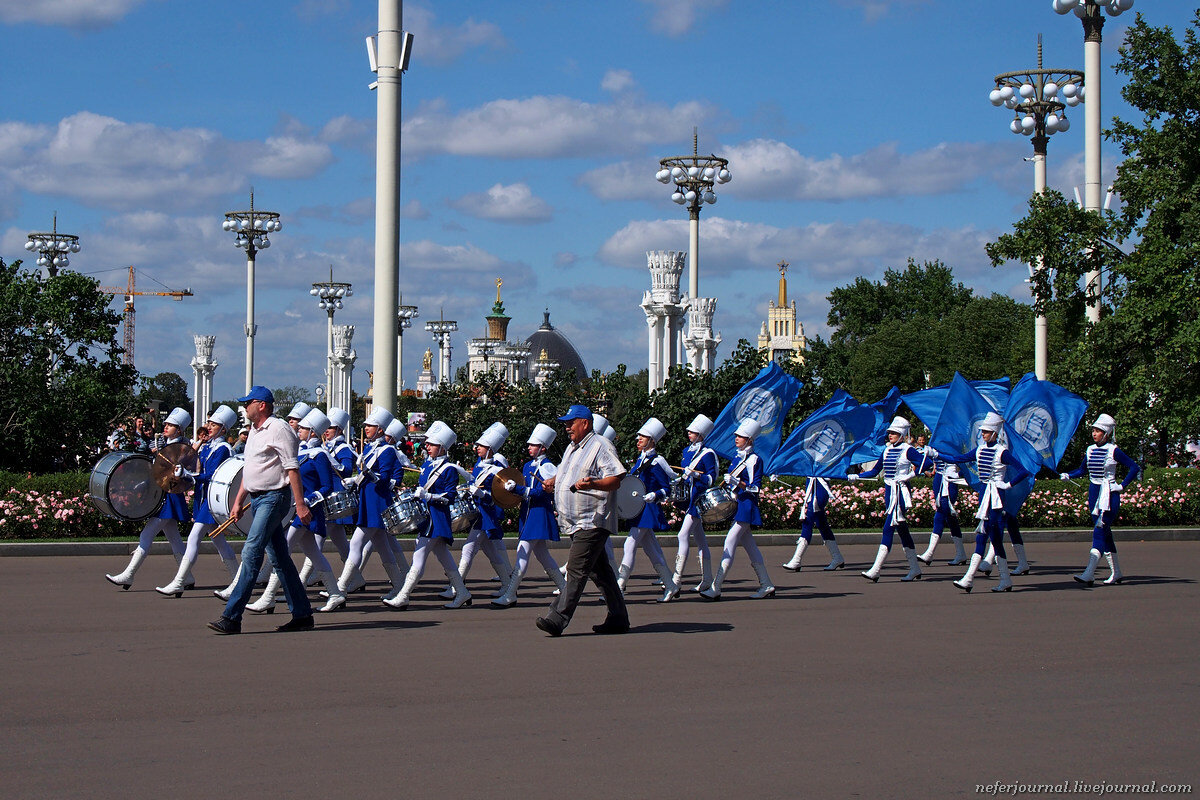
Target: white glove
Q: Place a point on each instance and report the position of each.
(730, 480)
(352, 482)
(1115, 487)
(930, 451)
(510, 485)
(420, 493)
(852, 477)
(1062, 476)
(473, 490)
(1003, 485)
(651, 497)
(179, 471)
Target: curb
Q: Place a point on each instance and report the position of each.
(26, 549)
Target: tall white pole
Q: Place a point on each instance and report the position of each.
(399, 358)
(387, 202)
(1092, 26)
(251, 328)
(694, 253)
(1040, 325)
(329, 364)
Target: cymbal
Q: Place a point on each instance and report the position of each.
(163, 468)
(501, 496)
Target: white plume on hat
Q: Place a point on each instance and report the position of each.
(701, 426)
(379, 417)
(224, 416)
(748, 428)
(316, 421)
(440, 433)
(178, 416)
(599, 424)
(396, 429)
(1105, 423)
(992, 422)
(543, 435)
(338, 417)
(899, 425)
(653, 429)
(299, 411)
(494, 437)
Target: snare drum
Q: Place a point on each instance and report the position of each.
(680, 493)
(463, 514)
(716, 506)
(223, 492)
(406, 515)
(631, 498)
(341, 504)
(122, 487)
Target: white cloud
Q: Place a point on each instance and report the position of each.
(874, 10)
(676, 18)
(617, 80)
(79, 14)
(513, 203)
(434, 44)
(119, 165)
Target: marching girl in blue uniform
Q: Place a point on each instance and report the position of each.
(379, 475)
(211, 455)
(744, 480)
(700, 467)
(899, 463)
(343, 458)
(174, 509)
(536, 522)
(437, 488)
(946, 481)
(657, 475)
(1104, 496)
(998, 470)
(319, 480)
(488, 532)
(816, 496)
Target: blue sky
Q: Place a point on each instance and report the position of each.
(859, 134)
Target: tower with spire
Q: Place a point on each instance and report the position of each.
(781, 336)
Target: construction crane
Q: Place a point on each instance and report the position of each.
(130, 293)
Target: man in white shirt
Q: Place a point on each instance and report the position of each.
(583, 488)
(271, 474)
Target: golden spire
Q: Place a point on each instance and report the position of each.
(783, 265)
(499, 283)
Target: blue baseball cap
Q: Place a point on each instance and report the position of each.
(576, 412)
(258, 393)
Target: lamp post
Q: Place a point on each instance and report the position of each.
(329, 296)
(1039, 99)
(54, 249)
(252, 228)
(693, 177)
(518, 354)
(441, 329)
(1088, 12)
(404, 317)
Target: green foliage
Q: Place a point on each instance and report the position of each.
(62, 385)
(167, 388)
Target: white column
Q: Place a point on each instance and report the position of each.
(694, 253)
(1091, 142)
(1040, 324)
(387, 202)
(652, 354)
(203, 366)
(251, 328)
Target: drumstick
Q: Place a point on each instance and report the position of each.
(221, 528)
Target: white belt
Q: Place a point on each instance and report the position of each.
(895, 508)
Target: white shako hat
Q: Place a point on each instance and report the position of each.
(748, 428)
(701, 425)
(992, 422)
(440, 433)
(396, 429)
(315, 421)
(599, 424)
(653, 429)
(224, 416)
(299, 411)
(338, 417)
(379, 417)
(543, 435)
(1105, 423)
(610, 433)
(899, 425)
(178, 416)
(494, 437)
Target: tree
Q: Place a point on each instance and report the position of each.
(167, 388)
(287, 396)
(62, 384)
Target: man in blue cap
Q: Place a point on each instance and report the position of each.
(271, 473)
(583, 488)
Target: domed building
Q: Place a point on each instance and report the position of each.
(534, 359)
(549, 345)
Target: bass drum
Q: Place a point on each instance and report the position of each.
(463, 514)
(631, 498)
(122, 486)
(223, 491)
(406, 515)
(717, 506)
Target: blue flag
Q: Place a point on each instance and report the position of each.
(766, 399)
(957, 428)
(926, 404)
(1045, 416)
(821, 446)
(885, 412)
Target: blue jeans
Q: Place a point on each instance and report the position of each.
(267, 533)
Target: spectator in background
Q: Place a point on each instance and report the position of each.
(239, 447)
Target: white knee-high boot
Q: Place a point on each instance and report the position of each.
(960, 552)
(622, 577)
(399, 599)
(231, 566)
(713, 592)
(706, 573)
(836, 561)
(670, 587)
(793, 564)
(968, 580)
(1088, 576)
(175, 587)
(873, 573)
(765, 587)
(396, 576)
(1115, 566)
(680, 565)
(462, 597)
(1022, 563)
(337, 599)
(985, 566)
(914, 566)
(266, 603)
(351, 579)
(926, 557)
(189, 582)
(125, 579)
(307, 576)
(1005, 584)
(508, 597)
(224, 594)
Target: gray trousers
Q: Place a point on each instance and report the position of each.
(587, 559)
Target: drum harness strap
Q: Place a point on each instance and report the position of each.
(809, 491)
(433, 478)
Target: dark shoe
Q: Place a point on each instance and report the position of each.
(297, 624)
(611, 627)
(226, 625)
(548, 626)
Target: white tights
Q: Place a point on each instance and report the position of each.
(691, 528)
(197, 534)
(441, 550)
(312, 549)
(648, 541)
(379, 539)
(168, 528)
(741, 534)
(478, 540)
(540, 549)
(336, 533)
